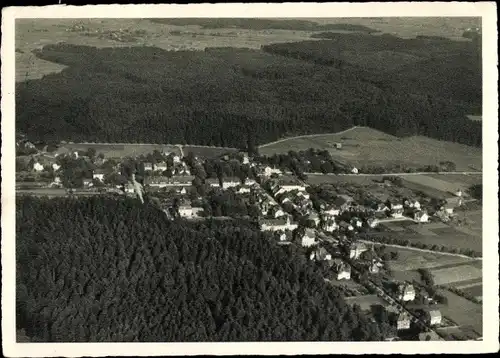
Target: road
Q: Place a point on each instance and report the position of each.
(308, 136)
(393, 174)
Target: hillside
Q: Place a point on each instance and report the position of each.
(225, 97)
(121, 272)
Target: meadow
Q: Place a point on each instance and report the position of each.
(118, 150)
(463, 311)
(410, 260)
(367, 146)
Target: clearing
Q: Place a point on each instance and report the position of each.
(456, 274)
(111, 150)
(366, 302)
(366, 146)
(206, 152)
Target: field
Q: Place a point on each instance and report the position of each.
(463, 311)
(455, 274)
(410, 260)
(206, 152)
(365, 302)
(118, 150)
(447, 184)
(366, 146)
(317, 179)
(32, 34)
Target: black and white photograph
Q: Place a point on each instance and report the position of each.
(290, 177)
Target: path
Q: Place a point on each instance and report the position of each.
(422, 250)
(308, 136)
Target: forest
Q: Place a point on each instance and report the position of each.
(102, 270)
(242, 98)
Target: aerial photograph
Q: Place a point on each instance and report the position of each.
(248, 179)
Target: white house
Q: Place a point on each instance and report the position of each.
(98, 174)
(416, 205)
(354, 170)
(403, 321)
(308, 239)
(357, 249)
(458, 193)
(268, 171)
(278, 224)
(406, 292)
(38, 167)
(230, 182)
(289, 187)
(148, 166)
(332, 211)
(176, 158)
(56, 167)
(421, 216)
(245, 159)
(356, 222)
(397, 213)
(433, 317)
(342, 269)
(160, 167)
(372, 222)
(276, 212)
(186, 211)
(320, 254)
(242, 189)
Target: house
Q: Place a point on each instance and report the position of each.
(160, 167)
(356, 222)
(421, 216)
(329, 225)
(372, 222)
(148, 166)
(278, 224)
(403, 321)
(244, 158)
(416, 205)
(448, 208)
(176, 158)
(397, 213)
(37, 167)
(129, 188)
(381, 208)
(345, 226)
(185, 211)
(163, 181)
(87, 182)
(356, 250)
(276, 212)
(314, 217)
(433, 317)
(406, 292)
(268, 171)
(354, 170)
(320, 254)
(242, 189)
(458, 193)
(338, 145)
(98, 174)
(303, 195)
(331, 210)
(213, 182)
(375, 266)
(230, 182)
(342, 269)
(250, 182)
(308, 238)
(56, 167)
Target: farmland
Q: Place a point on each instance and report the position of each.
(366, 146)
(206, 152)
(463, 311)
(410, 260)
(455, 274)
(366, 302)
(31, 35)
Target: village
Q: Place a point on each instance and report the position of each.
(336, 226)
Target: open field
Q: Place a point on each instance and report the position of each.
(449, 238)
(412, 260)
(317, 179)
(455, 274)
(447, 184)
(473, 223)
(463, 311)
(365, 302)
(206, 152)
(118, 150)
(366, 146)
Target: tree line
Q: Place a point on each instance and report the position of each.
(223, 97)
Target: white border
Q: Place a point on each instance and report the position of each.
(486, 10)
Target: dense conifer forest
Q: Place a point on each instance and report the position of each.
(100, 269)
(239, 97)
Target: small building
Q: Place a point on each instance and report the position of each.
(320, 254)
(356, 222)
(176, 158)
(433, 317)
(38, 167)
(160, 167)
(308, 238)
(87, 183)
(356, 250)
(375, 266)
(403, 321)
(98, 174)
(416, 205)
(421, 216)
(129, 188)
(268, 171)
(346, 226)
(338, 145)
(213, 182)
(406, 292)
(372, 222)
(355, 170)
(278, 224)
(342, 269)
(148, 166)
(329, 225)
(276, 212)
(397, 213)
(185, 211)
(230, 182)
(331, 210)
(243, 189)
(56, 167)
